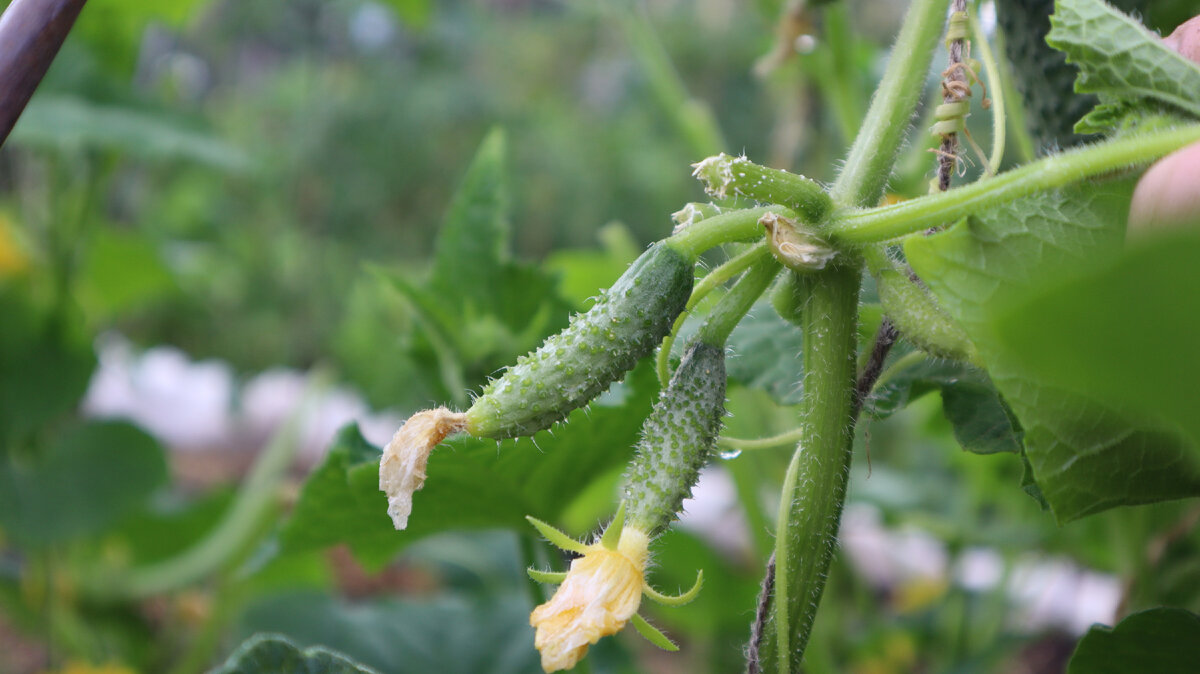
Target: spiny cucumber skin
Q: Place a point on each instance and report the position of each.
(597, 348)
(677, 439)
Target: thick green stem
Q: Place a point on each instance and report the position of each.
(914, 311)
(733, 306)
(724, 175)
(739, 225)
(908, 217)
(710, 282)
(815, 485)
(874, 152)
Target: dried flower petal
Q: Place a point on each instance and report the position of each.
(402, 468)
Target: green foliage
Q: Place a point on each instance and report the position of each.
(1159, 640)
(1082, 452)
(451, 634)
(88, 480)
(270, 653)
(70, 123)
(1146, 366)
(472, 484)
(45, 364)
(1124, 63)
(981, 421)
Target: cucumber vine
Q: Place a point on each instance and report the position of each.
(826, 240)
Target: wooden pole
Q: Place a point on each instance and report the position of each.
(31, 33)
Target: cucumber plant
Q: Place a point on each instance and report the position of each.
(958, 273)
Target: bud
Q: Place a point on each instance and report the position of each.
(795, 248)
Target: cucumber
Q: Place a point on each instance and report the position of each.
(597, 348)
(677, 439)
(1045, 80)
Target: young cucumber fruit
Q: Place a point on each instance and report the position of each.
(597, 348)
(677, 439)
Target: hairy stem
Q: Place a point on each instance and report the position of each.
(815, 485)
(729, 227)
(874, 152)
(733, 306)
(908, 217)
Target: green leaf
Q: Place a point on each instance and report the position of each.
(764, 354)
(472, 245)
(970, 402)
(121, 272)
(1123, 62)
(1085, 456)
(1146, 363)
(449, 635)
(471, 484)
(94, 475)
(46, 362)
(61, 122)
(1160, 640)
(274, 654)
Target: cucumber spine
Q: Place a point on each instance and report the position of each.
(596, 349)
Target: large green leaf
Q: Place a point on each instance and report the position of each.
(1085, 456)
(479, 308)
(90, 478)
(72, 123)
(448, 635)
(45, 364)
(471, 483)
(764, 354)
(1157, 641)
(1146, 361)
(274, 654)
(972, 405)
(1134, 73)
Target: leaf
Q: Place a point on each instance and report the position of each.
(1085, 456)
(471, 484)
(1123, 62)
(274, 654)
(970, 402)
(764, 354)
(94, 475)
(63, 122)
(472, 244)
(46, 362)
(1146, 364)
(121, 272)
(448, 635)
(1158, 640)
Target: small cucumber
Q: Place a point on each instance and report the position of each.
(597, 348)
(677, 439)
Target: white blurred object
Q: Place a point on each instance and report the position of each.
(190, 406)
(183, 403)
(714, 513)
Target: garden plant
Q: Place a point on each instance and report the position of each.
(1039, 276)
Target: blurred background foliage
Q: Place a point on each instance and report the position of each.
(264, 183)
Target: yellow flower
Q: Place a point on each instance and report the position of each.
(601, 593)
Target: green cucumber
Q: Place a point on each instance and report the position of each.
(677, 439)
(597, 348)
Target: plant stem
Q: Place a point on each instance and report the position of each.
(733, 306)
(999, 114)
(874, 152)
(915, 312)
(710, 282)
(908, 217)
(815, 485)
(239, 526)
(739, 225)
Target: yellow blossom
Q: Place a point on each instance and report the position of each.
(602, 591)
(402, 467)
